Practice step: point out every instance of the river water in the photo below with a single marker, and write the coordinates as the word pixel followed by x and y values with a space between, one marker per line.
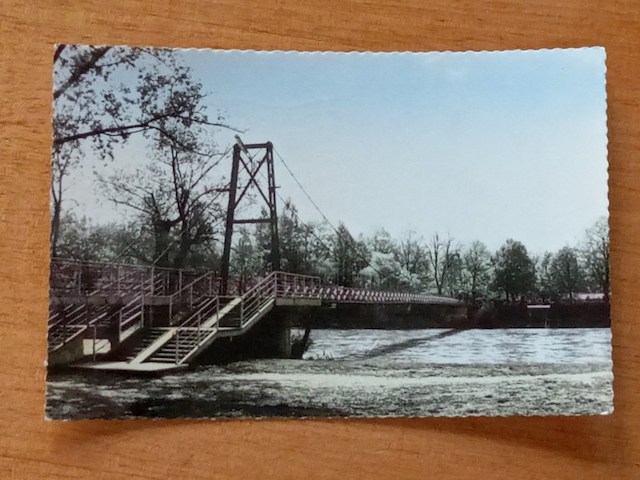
pixel 370 373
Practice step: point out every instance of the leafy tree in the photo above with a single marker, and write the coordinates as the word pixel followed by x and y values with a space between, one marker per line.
pixel 514 271
pixel 546 285
pixel 454 278
pixel 476 261
pixel 104 95
pixel 349 256
pixel 91 100
pixel 566 272
pixel 294 240
pixel 383 272
pixel 245 261
pixel 595 253
pixel 412 255
pixel 304 248
pixel 83 241
pixel 174 196
pixel 382 242
pixel 440 254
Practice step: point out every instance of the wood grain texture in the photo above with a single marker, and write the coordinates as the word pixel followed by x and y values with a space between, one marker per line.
pixel 588 447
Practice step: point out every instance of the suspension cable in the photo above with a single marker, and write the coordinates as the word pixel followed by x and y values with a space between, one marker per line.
pixel 351 242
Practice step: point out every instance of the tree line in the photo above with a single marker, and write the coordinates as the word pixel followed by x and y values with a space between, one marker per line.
pixel 438 264
pixel 105 96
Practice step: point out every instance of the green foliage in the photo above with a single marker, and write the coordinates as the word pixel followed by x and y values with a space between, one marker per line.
pixel 514 270
pixel 338 258
pixel 545 282
pixel 443 257
pixel 595 254
pixel 349 257
pixel 476 261
pixel 104 95
pixel 83 241
pixel 566 272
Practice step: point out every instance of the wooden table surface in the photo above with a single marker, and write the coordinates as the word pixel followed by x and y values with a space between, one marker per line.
pixel 513 448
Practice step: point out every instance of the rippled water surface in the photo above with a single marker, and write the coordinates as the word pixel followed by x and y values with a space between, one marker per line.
pixel 466 346
pixel 370 373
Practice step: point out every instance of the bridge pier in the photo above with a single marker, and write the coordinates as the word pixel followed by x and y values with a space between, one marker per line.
pixel 276 342
pixel 270 338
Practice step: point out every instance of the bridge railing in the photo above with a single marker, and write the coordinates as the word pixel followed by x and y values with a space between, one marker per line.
pixel 357 295
pixel 292 285
pixel 131 315
pixel 206 285
pixel 68 321
pixel 75 278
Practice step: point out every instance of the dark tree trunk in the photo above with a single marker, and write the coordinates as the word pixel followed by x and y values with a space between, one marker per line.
pixel 162 229
pixel 55 226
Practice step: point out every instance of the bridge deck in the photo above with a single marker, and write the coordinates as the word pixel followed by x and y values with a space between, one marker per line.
pixel 116 308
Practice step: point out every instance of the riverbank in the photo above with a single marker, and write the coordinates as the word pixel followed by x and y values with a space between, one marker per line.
pixel 328 388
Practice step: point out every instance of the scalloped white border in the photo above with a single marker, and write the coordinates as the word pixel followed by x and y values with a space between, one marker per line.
pixel 380 53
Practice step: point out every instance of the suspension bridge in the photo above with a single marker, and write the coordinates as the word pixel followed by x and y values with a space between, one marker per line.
pixel 133 318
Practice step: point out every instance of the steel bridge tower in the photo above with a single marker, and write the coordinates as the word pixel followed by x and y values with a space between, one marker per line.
pixel 250 158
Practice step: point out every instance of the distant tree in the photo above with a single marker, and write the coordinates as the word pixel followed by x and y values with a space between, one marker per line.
pixel 293 240
pixel 383 272
pixel 305 248
pixel 566 272
pixel 454 279
pixel 546 285
pixel 476 261
pixel 412 255
pixel 596 256
pixel 440 254
pixel 84 241
pixel 382 242
pixel 320 242
pixel 514 271
pixel 349 256
pixel 245 261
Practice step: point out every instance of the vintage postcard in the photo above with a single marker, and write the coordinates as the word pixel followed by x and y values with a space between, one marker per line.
pixel 297 234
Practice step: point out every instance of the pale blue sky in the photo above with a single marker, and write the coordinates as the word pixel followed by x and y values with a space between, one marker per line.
pixel 488 146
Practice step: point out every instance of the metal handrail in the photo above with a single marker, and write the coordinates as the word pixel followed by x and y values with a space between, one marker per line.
pixel 355 295
pixel 74 262
pixel 130 312
pixel 189 288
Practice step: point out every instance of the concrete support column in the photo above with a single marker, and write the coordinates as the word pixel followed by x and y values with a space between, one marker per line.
pixel 275 342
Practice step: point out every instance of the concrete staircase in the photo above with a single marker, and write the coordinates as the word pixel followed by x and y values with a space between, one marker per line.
pixel 159 349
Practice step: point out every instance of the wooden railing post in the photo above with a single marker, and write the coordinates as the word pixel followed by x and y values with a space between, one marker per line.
pixel 177 345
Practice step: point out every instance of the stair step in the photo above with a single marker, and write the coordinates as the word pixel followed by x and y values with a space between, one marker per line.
pixel 170 354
